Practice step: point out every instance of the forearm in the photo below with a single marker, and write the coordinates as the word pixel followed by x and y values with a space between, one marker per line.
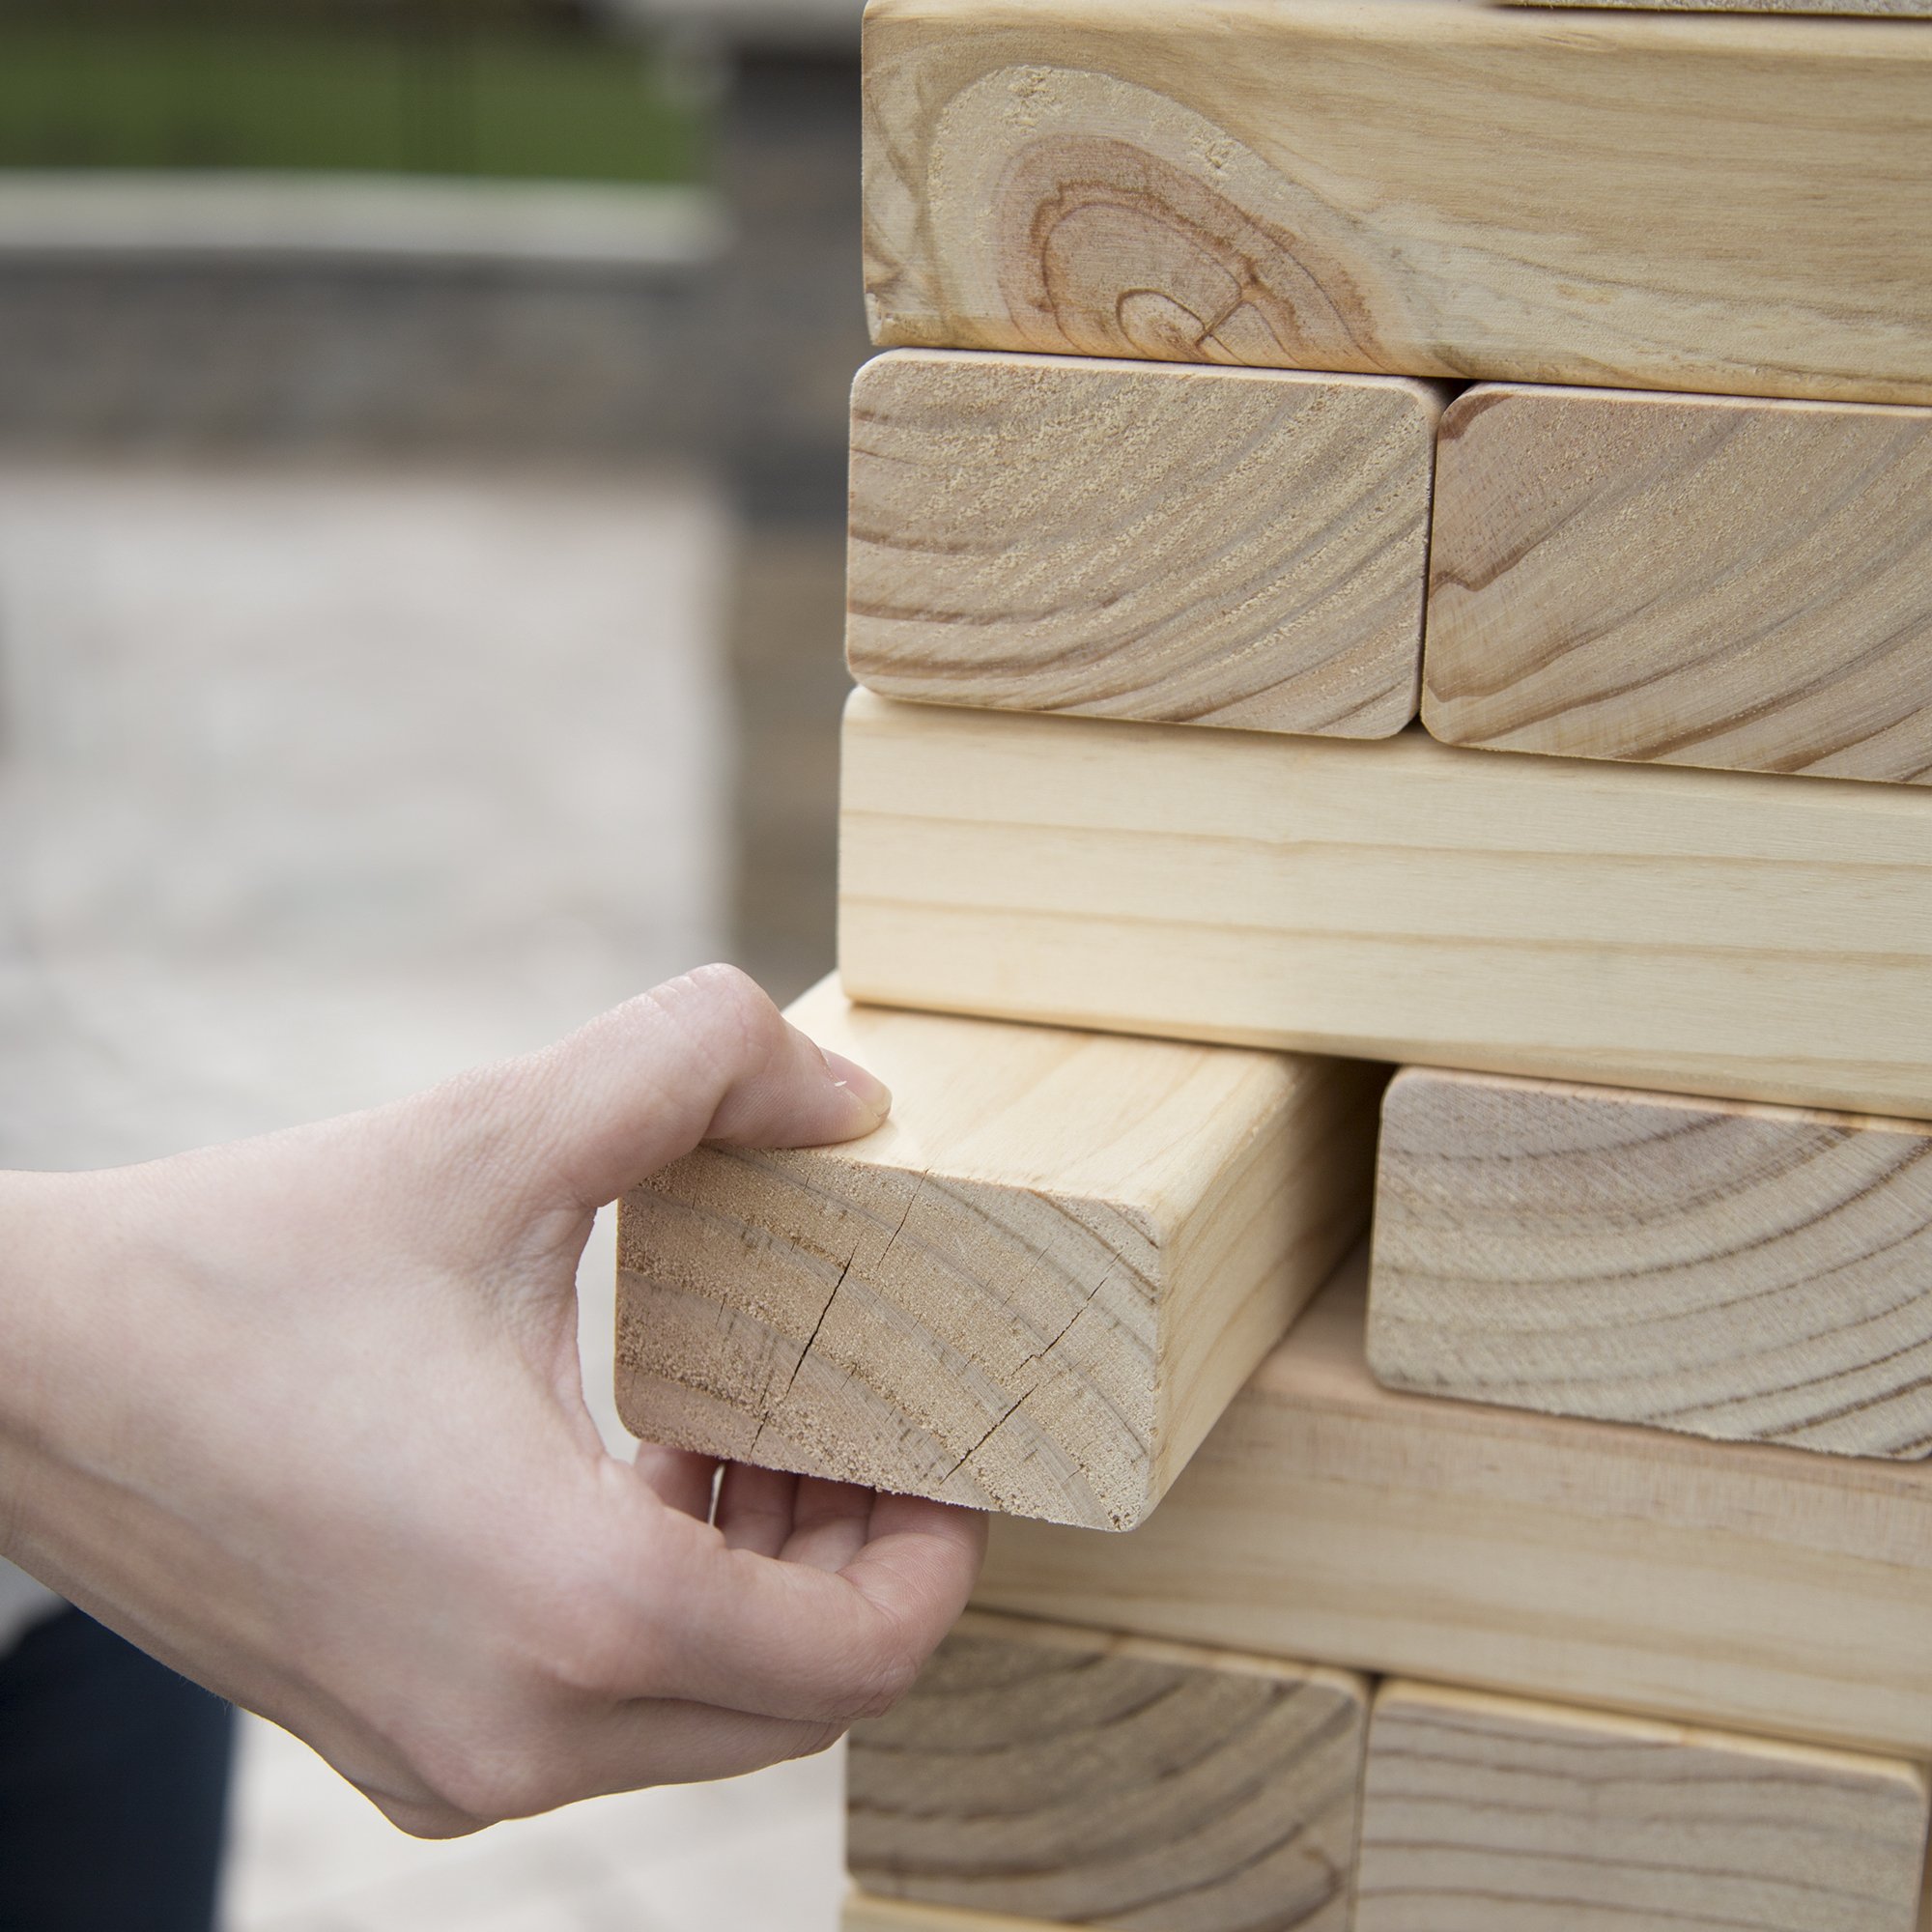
pixel 46 1296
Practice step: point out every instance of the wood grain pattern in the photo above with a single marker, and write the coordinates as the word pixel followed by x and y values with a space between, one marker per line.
pixel 1034 1290
pixel 1083 1778
pixel 862 1913
pixel 1716 933
pixel 1136 540
pixel 1695 581
pixel 1748 1273
pixel 1739 1586
pixel 1734 206
pixel 1488 1814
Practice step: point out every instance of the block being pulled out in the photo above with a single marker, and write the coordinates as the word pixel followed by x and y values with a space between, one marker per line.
pixel 1034 1290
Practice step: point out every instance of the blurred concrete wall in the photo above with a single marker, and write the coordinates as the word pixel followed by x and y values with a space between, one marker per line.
pixel 355 357
pixel 737 357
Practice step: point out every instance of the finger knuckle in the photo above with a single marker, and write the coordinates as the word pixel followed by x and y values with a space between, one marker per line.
pixel 597 1629
pixel 721 980
pixel 597 1648
pixel 427 1818
pixel 487 1780
pixel 732 1001
pixel 817 1740
pixel 886 1677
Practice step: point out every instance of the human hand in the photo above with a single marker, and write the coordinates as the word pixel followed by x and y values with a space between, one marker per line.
pixel 303 1417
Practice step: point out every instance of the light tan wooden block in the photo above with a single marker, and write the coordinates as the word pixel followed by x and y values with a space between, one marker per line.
pixel 1138 540
pixel 1488 1814
pixel 897 1915
pixel 1315 183
pixel 1732 1585
pixel 1083 1778
pixel 1706 933
pixel 1684 580
pixel 1750 1273
pixel 1034 1290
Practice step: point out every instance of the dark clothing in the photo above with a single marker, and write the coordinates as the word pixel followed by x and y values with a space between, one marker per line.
pixel 113 1785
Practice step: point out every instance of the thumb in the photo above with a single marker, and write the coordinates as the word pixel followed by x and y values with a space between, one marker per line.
pixel 703 1058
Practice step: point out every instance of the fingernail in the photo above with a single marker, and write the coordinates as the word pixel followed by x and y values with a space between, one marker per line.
pixel 867 1088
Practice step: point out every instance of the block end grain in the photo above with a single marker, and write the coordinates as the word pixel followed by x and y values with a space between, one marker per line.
pixel 1490 1811
pixel 1115 539
pixel 1033 1290
pixel 1079 1778
pixel 1715 580
pixel 1748 1273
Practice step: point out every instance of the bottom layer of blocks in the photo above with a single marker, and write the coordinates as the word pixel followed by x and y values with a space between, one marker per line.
pixel 1041 1775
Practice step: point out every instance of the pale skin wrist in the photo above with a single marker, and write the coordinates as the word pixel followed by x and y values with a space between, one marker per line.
pixel 303 1418
pixel 51 1227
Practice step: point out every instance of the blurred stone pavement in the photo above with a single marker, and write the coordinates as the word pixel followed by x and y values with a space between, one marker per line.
pixel 319 781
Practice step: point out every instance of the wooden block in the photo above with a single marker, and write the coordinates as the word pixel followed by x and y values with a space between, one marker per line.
pixel 1137 540
pixel 1483 1813
pixel 1733 1584
pixel 1750 1273
pixel 899 1915
pixel 1691 581
pixel 1083 1778
pixel 1034 1290
pixel 1736 206
pixel 1720 933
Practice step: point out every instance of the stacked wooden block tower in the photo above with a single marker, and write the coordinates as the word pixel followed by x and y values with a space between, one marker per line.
pixel 1259 373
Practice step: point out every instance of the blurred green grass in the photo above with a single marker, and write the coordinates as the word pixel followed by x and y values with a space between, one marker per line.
pixel 491 98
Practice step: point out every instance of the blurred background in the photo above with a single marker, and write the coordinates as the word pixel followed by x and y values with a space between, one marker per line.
pixel 421 501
